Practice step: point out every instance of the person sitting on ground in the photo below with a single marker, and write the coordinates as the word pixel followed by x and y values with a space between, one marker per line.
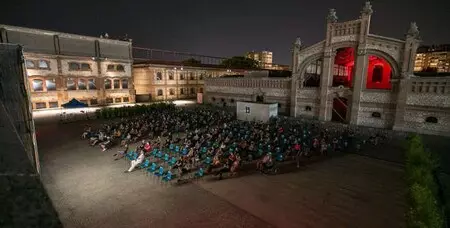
pixel 136 162
pixel 105 145
pixel 265 162
pixel 121 154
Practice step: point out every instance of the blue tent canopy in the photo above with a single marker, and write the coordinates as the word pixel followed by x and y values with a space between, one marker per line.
pixel 74 103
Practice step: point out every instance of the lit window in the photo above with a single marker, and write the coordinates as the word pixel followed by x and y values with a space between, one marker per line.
pixel 160 92
pixel 124 83
pixel 107 84
pixel 91 84
pixel 50 84
pixel 377 75
pixel 38 85
pixel 70 84
pixel 43 64
pixel 82 84
pixel 29 64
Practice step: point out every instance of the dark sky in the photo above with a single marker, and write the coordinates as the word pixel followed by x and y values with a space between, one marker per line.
pixel 224 28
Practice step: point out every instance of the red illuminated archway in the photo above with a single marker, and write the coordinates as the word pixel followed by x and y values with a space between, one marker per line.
pixel 379 73
pixel 344 63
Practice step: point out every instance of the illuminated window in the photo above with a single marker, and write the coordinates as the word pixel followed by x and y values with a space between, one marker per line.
pixel 91 84
pixel 29 64
pixel 50 84
pixel 38 85
pixel 70 84
pixel 377 75
pixel 44 64
pixel 124 83
pixel 160 92
pixel 82 84
pixel 107 84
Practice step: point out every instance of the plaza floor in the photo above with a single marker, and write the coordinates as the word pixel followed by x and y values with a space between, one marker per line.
pixel 89 189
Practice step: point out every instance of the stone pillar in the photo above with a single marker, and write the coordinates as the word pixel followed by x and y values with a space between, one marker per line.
pixel 411 44
pixel 358 82
pixel 296 80
pixel 326 81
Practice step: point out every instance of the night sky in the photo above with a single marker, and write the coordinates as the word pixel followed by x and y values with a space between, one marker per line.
pixel 224 28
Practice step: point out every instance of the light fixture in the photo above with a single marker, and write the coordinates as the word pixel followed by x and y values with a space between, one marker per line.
pixel 181 68
pixel 174 68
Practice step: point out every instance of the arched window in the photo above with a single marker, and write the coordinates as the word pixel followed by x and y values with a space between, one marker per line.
pixel 116 83
pixel 73 66
pixel 377 75
pixel 82 84
pixel 124 83
pixel 50 84
pixel 376 115
pixel 30 64
pixel 71 84
pixel 38 85
pixel 91 84
pixel 44 64
pixel 160 92
pixel 107 84
pixel 308 108
pixel 120 68
pixel 110 67
pixel 431 119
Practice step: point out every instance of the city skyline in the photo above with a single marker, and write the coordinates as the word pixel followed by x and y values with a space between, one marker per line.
pixel 223 29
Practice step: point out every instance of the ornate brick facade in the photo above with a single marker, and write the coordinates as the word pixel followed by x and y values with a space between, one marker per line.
pixel 404 103
pixel 63 66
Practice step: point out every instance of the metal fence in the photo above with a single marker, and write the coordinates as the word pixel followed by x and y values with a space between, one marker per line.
pixel 17 122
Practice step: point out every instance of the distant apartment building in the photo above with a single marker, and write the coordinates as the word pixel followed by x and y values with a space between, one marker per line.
pixel 265 60
pixel 62 66
pixel 163 81
pixel 433 59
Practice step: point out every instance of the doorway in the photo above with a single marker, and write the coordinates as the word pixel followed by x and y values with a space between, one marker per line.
pixel 339 111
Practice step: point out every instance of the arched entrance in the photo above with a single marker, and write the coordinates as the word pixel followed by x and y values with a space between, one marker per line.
pixel 343 68
pixel 379 73
pixel 339 110
pixel 312 74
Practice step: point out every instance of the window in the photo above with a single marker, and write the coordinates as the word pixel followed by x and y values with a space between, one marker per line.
pixel 38 85
pixel 29 64
pixel 116 84
pixel 191 76
pixel 107 84
pixel 50 84
pixel 171 92
pixel 73 66
pixel 202 75
pixel 109 100
pixel 41 105
pixel 110 67
pixel 259 98
pixel 85 67
pixel 44 64
pixel 158 76
pixel 376 115
pixel 431 119
pixel 82 84
pixel 200 90
pixel 213 99
pixel 91 84
pixel 160 92
pixel 120 68
pixel 279 105
pixel 117 100
pixel 124 83
pixel 70 84
pixel 94 101
pixel 308 108
pixel 232 100
pixel 192 90
pixel 53 104
pixel 247 109
pixel 377 74
pixel 182 91
pixel 182 76
pixel 126 99
pixel 170 75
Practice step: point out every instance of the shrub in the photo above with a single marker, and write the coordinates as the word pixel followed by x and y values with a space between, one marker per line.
pixel 423 190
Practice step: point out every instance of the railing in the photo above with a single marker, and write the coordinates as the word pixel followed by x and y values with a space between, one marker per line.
pixel 249 83
pixel 439 85
pixel 346 28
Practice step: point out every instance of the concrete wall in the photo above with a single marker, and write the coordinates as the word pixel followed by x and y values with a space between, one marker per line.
pixel 249 111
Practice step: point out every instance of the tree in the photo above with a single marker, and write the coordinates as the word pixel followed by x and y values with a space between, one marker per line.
pixel 240 62
pixel 191 62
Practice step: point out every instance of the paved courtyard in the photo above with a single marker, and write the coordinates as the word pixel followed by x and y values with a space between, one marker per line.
pixel 89 189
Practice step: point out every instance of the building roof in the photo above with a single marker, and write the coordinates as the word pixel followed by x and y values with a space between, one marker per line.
pixel 146 63
pixel 434 48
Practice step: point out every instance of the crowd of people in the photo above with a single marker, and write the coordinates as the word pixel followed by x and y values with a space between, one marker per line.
pixel 174 142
